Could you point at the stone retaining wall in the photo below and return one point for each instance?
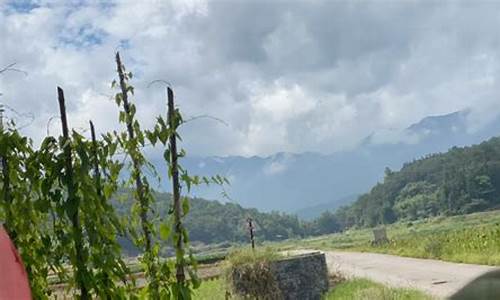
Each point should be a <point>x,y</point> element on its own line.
<point>303,277</point>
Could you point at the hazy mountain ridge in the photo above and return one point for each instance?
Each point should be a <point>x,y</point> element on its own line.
<point>291,182</point>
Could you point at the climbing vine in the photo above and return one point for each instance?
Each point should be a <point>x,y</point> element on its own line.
<point>58,204</point>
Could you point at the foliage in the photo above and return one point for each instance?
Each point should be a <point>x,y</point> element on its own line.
<point>460,181</point>
<point>56,205</point>
<point>20,187</point>
<point>132,141</point>
<point>327,222</point>
<point>50,201</point>
<point>212,222</point>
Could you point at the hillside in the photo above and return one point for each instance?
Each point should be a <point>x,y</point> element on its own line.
<point>460,181</point>
<point>211,222</point>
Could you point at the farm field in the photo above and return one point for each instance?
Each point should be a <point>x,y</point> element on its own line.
<point>473,238</point>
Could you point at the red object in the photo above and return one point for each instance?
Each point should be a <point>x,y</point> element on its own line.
<point>14,284</point>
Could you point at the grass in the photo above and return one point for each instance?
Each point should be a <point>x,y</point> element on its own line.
<point>247,256</point>
<point>356,289</point>
<point>473,238</point>
<point>211,290</point>
<point>363,289</point>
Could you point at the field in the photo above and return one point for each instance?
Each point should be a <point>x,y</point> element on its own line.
<point>473,238</point>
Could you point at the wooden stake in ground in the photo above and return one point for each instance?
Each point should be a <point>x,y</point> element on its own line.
<point>73,209</point>
<point>180,276</point>
<point>250,229</point>
<point>140,187</point>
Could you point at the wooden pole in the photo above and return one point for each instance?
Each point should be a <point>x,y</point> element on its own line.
<point>138,181</point>
<point>143,202</point>
<point>97,173</point>
<point>250,228</point>
<point>180,276</point>
<point>73,214</point>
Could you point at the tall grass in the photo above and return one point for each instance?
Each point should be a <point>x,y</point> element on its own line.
<point>363,289</point>
<point>211,290</point>
<point>473,238</point>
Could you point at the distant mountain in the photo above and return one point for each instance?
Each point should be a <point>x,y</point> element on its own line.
<point>284,181</point>
<point>312,212</point>
<point>290,182</point>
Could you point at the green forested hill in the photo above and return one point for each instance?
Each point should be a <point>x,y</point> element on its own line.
<point>212,221</point>
<point>460,181</point>
<point>215,222</point>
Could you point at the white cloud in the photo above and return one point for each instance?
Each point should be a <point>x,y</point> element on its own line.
<point>274,168</point>
<point>292,76</point>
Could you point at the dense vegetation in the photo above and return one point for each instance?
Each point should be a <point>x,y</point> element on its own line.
<point>213,222</point>
<point>460,181</point>
<point>56,204</point>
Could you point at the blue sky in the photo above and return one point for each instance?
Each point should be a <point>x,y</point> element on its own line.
<point>283,75</point>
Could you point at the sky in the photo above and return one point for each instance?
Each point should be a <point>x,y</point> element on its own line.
<point>268,76</point>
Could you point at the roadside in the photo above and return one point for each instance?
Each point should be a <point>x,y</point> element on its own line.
<point>436,278</point>
<point>363,289</point>
<point>473,239</point>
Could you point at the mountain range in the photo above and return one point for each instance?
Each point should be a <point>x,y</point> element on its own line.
<point>309,183</point>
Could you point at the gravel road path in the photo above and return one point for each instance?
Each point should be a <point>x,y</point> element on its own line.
<point>437,278</point>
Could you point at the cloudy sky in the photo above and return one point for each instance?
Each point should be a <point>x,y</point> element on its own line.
<point>283,75</point>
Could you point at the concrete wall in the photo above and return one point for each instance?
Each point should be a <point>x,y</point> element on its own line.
<point>303,277</point>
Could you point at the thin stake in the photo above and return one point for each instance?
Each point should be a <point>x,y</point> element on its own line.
<point>251,228</point>
<point>97,173</point>
<point>73,214</point>
<point>181,277</point>
<point>138,181</point>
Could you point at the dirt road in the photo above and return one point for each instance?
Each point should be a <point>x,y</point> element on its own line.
<point>436,278</point>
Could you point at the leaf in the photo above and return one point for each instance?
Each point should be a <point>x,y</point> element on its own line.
<point>121,117</point>
<point>185,206</point>
<point>164,231</point>
<point>118,99</point>
<point>166,155</point>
